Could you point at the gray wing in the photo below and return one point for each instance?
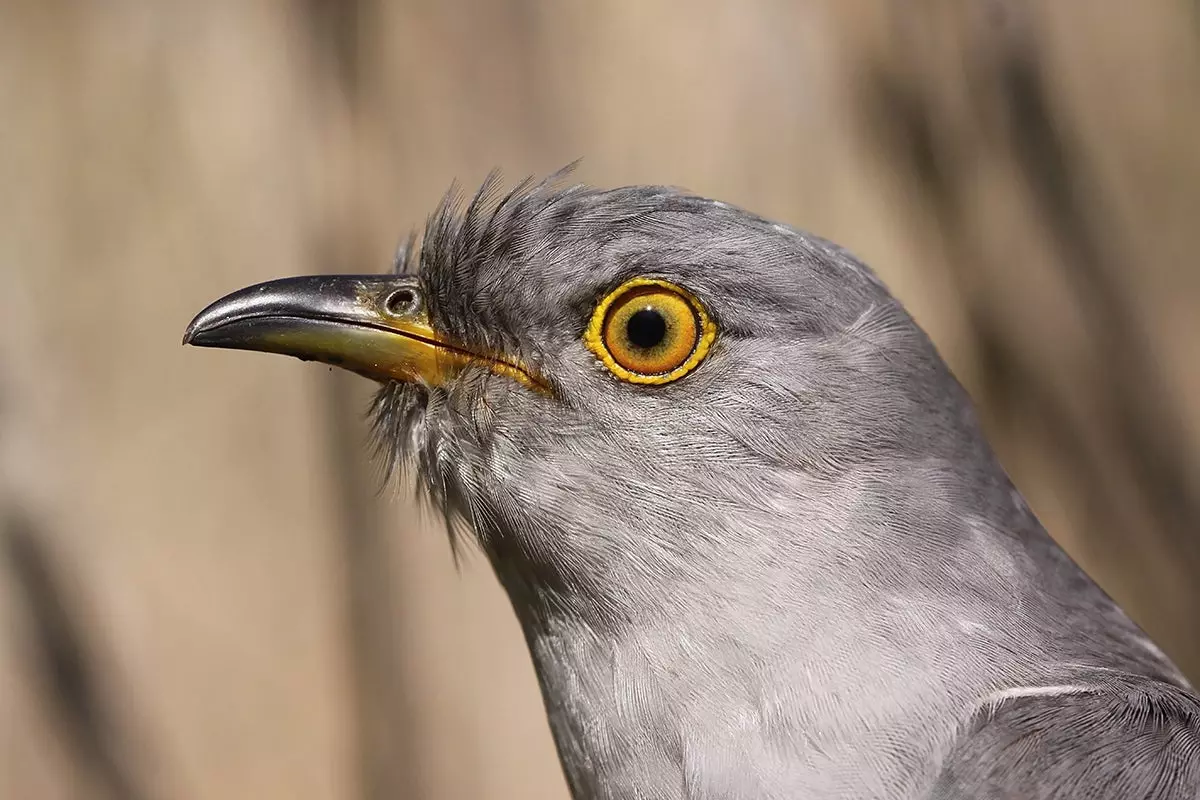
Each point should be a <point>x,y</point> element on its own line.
<point>1125,740</point>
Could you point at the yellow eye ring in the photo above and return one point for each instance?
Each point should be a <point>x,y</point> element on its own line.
<point>650,331</point>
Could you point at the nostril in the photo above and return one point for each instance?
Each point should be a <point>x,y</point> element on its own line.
<point>401,301</point>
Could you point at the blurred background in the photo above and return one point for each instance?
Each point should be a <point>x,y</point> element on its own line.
<point>203,591</point>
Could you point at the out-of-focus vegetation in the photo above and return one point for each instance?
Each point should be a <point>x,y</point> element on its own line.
<point>203,595</point>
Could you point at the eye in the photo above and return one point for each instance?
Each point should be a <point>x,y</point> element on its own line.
<point>650,331</point>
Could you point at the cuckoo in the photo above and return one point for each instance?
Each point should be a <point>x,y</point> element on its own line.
<point>746,516</point>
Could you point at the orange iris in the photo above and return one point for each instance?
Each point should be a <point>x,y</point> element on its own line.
<point>650,331</point>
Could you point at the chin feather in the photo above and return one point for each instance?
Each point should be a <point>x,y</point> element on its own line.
<point>410,452</point>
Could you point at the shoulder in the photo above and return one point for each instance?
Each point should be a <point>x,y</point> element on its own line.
<point>1118,737</point>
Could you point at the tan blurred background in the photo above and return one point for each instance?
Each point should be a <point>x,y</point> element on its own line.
<point>202,593</point>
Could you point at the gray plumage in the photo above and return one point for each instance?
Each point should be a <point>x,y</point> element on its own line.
<point>797,572</point>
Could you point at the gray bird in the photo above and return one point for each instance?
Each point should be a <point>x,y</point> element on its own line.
<point>747,519</point>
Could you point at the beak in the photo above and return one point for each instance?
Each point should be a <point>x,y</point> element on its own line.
<point>374,325</point>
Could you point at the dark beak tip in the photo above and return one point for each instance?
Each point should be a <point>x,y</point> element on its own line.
<point>192,331</point>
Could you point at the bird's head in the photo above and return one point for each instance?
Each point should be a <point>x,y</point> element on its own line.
<point>622,391</point>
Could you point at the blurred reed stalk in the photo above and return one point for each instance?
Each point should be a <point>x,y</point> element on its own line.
<point>64,667</point>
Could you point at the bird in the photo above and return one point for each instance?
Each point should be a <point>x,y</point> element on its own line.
<point>746,516</point>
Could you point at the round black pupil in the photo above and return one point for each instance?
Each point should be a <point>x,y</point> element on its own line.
<point>646,328</point>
